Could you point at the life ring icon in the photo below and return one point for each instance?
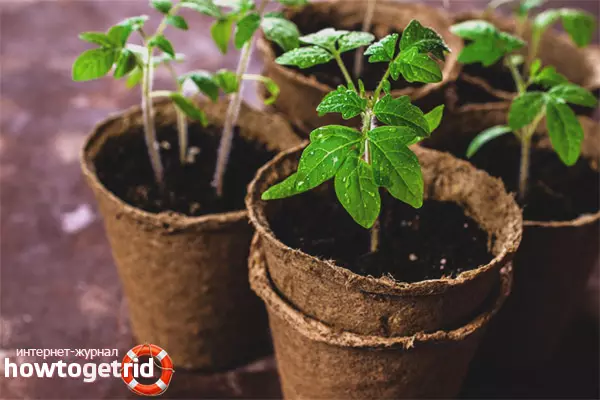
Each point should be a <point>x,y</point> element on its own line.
<point>166,365</point>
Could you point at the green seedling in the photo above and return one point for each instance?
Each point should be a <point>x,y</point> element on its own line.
<point>137,64</point>
<point>248,18</point>
<point>579,25</point>
<point>530,107</point>
<point>362,161</point>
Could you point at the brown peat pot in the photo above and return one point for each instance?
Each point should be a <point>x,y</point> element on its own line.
<point>318,361</point>
<point>561,234</point>
<point>366,305</point>
<point>184,277</point>
<point>580,66</point>
<point>303,90</point>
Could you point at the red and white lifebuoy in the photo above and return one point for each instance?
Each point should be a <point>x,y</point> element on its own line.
<point>166,365</point>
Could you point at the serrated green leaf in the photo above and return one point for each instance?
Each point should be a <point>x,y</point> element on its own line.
<point>565,131</point>
<point>178,22</point>
<point>286,188</point>
<point>204,81</point>
<point>527,5</point>
<point>573,94</point>
<point>486,136</point>
<point>580,26</point>
<point>525,108</point>
<point>384,50</point>
<point>119,34</point>
<point>273,90</point>
<point>325,38</point>
<point>163,6</point>
<point>227,81</point>
<point>245,29</point>
<point>125,63</point>
<point>489,44</point>
<point>400,112</point>
<point>206,7</point>
<point>221,33</point>
<point>134,77</point>
<point>434,117</point>
<point>98,38</point>
<point>535,67</point>
<point>426,40</point>
<point>356,190</point>
<point>305,57</point>
<point>93,64</point>
<point>189,108</point>
<point>324,155</point>
<point>416,67</point>
<point>354,40</point>
<point>344,101</point>
<point>395,166</point>
<point>548,77</point>
<point>163,43</point>
<point>281,31</point>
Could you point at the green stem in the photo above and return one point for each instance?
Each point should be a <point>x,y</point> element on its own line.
<point>344,70</point>
<point>149,125</point>
<point>379,87</point>
<point>233,112</point>
<point>368,120</point>
<point>521,86</point>
<point>182,125</point>
<point>533,47</point>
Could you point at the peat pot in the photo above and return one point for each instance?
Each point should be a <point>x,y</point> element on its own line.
<point>339,333</point>
<point>182,256</point>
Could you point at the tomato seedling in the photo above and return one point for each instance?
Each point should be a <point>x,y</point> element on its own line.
<point>362,161</point>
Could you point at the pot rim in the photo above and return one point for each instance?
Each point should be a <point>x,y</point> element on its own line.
<point>315,330</point>
<point>370,284</point>
<point>450,73</point>
<point>173,220</point>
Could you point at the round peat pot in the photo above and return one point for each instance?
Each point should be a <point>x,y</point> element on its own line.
<point>185,277</point>
<point>580,66</point>
<point>561,235</point>
<point>316,361</point>
<point>303,90</point>
<point>323,290</point>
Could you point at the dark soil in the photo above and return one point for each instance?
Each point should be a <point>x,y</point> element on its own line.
<point>329,74</point>
<point>556,192</point>
<point>415,245</point>
<point>462,93</point>
<point>497,75</point>
<point>124,168</point>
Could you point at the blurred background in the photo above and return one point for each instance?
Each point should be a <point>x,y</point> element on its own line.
<point>58,285</point>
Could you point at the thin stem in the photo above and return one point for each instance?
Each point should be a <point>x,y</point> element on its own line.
<point>160,93</point>
<point>524,168</point>
<point>533,47</point>
<point>521,86</point>
<point>369,123</point>
<point>366,26</point>
<point>233,111</point>
<point>379,87</point>
<point>340,63</point>
<point>149,127</point>
<point>182,125</point>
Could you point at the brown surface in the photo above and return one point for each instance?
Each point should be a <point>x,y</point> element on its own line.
<point>301,94</point>
<point>186,277</point>
<point>382,306</point>
<point>59,287</point>
<point>317,361</point>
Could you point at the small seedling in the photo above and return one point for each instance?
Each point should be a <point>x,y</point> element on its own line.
<point>138,62</point>
<point>529,108</point>
<point>579,25</point>
<point>248,19</point>
<point>362,161</point>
